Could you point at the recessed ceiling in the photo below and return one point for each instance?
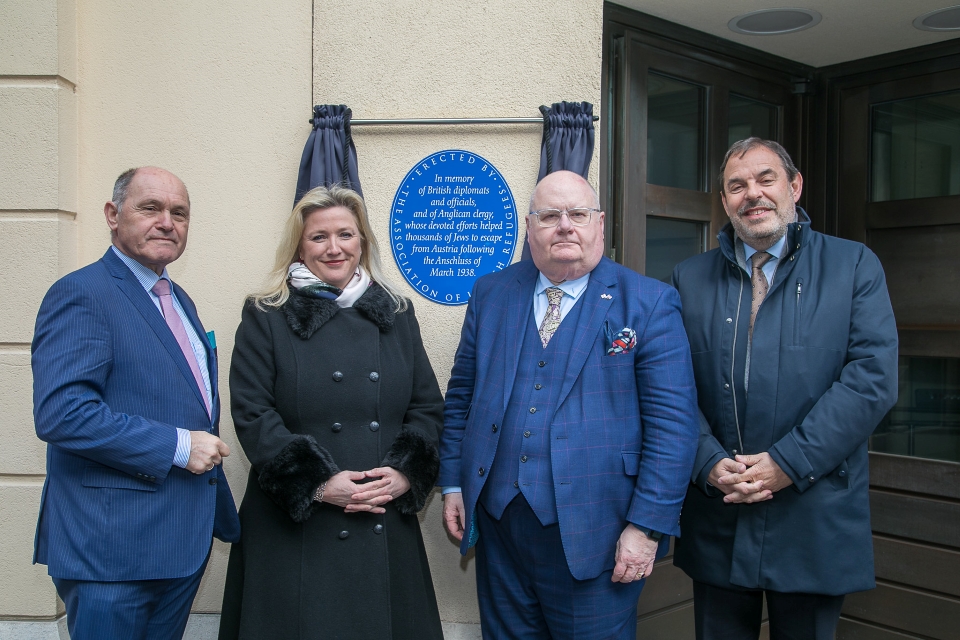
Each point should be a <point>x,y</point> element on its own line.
<point>849,30</point>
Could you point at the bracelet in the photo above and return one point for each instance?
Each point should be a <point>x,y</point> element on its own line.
<point>318,496</point>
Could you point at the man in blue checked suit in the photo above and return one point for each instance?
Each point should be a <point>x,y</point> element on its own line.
<point>570,429</point>
<point>125,395</point>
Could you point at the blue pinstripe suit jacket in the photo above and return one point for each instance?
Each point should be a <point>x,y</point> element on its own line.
<point>111,386</point>
<point>624,435</point>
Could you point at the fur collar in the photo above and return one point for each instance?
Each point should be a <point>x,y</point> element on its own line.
<point>306,315</point>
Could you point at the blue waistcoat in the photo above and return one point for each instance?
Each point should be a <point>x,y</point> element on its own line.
<point>522,462</point>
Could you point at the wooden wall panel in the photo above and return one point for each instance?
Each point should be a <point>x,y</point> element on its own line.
<point>917,565</point>
<point>906,609</point>
<point>856,630</point>
<point>915,518</point>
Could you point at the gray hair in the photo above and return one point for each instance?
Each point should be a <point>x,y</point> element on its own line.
<point>741,147</point>
<point>121,185</point>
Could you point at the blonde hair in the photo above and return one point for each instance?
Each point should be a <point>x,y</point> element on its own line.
<point>277,292</point>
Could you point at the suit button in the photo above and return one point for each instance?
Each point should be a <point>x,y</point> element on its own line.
<point>516,485</point>
<point>495,427</point>
<point>336,427</point>
<point>538,387</point>
<point>523,458</point>
<point>542,363</point>
<point>374,376</point>
<point>526,434</point>
<point>213,481</point>
<point>378,529</point>
<point>533,409</point>
<point>343,535</point>
<point>374,425</point>
<point>337,376</point>
<point>480,472</point>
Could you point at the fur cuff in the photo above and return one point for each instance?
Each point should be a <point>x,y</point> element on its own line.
<point>292,477</point>
<point>417,458</point>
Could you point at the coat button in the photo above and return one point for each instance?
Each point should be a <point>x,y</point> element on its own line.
<point>343,535</point>
<point>523,458</point>
<point>337,376</point>
<point>542,363</point>
<point>374,376</point>
<point>812,479</point>
<point>495,428</point>
<point>842,473</point>
<point>526,434</point>
<point>480,472</point>
<point>726,385</point>
<point>374,425</point>
<point>336,427</point>
<point>378,529</point>
<point>538,386</point>
<point>729,320</point>
<point>533,409</point>
<point>213,481</point>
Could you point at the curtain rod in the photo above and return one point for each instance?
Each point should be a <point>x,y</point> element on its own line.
<point>445,121</point>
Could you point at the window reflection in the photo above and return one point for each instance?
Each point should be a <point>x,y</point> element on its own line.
<point>670,242</point>
<point>674,133</point>
<point>750,118</point>
<point>926,419</point>
<point>916,148</point>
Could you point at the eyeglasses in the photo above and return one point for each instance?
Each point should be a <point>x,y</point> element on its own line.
<point>578,216</point>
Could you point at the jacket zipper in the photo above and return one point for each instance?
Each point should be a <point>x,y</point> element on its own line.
<point>733,362</point>
<point>798,316</point>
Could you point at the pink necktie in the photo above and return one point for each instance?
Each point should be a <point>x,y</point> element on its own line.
<point>162,291</point>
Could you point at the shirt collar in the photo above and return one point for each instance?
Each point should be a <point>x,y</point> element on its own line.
<point>145,276</point>
<point>572,288</point>
<point>776,250</point>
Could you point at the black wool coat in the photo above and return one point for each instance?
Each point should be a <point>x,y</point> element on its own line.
<point>316,389</point>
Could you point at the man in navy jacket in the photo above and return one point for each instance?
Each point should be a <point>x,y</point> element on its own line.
<point>125,396</point>
<point>795,357</point>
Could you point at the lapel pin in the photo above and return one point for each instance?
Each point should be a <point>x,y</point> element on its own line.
<point>606,297</point>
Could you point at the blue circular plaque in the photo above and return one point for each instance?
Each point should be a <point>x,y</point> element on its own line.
<point>453,220</point>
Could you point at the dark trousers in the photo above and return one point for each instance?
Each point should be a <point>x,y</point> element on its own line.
<point>728,614</point>
<point>130,610</point>
<point>526,590</point>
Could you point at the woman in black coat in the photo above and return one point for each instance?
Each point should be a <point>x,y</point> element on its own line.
<point>339,412</point>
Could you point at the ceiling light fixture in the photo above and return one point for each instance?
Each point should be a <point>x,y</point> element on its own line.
<point>946,19</point>
<point>773,22</point>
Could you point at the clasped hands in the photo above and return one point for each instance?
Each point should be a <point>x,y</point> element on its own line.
<point>385,484</point>
<point>748,479</point>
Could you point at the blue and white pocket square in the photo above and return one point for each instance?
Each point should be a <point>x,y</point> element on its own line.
<point>625,340</point>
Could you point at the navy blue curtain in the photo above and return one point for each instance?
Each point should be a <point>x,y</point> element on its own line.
<point>567,145</point>
<point>329,156</point>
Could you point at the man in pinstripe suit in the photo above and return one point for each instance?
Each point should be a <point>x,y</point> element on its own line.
<point>570,428</point>
<point>125,395</point>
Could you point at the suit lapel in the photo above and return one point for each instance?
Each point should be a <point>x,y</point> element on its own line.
<point>517,321</point>
<point>592,316</point>
<point>140,299</point>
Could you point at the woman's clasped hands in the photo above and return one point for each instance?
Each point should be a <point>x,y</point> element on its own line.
<point>358,491</point>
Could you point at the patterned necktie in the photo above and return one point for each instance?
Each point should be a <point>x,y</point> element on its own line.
<point>551,319</point>
<point>162,291</point>
<point>760,286</point>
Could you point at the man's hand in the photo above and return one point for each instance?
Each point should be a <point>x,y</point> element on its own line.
<point>206,451</point>
<point>762,478</point>
<point>389,485</point>
<point>635,555</point>
<point>454,517</point>
<point>748,492</point>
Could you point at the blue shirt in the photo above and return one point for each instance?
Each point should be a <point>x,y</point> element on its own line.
<point>147,279</point>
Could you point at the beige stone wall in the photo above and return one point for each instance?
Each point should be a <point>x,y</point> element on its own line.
<point>452,59</point>
<point>220,94</point>
<point>38,204</point>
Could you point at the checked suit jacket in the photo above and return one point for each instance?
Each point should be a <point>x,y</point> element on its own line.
<point>624,435</point>
<point>111,386</point>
